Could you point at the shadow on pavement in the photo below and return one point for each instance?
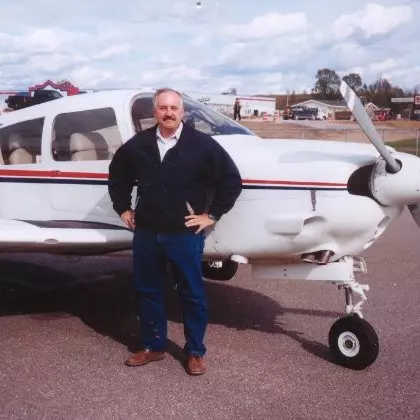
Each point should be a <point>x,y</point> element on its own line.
<point>105,303</point>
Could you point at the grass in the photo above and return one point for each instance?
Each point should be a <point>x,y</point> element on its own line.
<point>407,146</point>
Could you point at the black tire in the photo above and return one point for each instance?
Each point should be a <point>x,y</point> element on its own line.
<point>353,342</point>
<point>224,273</point>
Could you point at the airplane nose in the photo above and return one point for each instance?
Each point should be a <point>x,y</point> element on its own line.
<point>399,188</point>
<point>396,177</point>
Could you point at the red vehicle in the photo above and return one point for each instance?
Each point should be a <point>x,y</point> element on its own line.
<point>382,115</point>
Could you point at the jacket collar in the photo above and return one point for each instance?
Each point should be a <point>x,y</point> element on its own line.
<point>148,137</point>
<point>176,135</point>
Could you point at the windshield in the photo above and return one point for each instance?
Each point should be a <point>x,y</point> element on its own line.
<point>197,115</point>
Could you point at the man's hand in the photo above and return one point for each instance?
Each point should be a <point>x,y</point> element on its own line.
<point>201,220</point>
<point>128,218</point>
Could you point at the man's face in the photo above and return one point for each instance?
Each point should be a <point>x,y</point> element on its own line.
<point>168,111</point>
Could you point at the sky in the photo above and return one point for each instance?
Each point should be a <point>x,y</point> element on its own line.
<point>257,47</point>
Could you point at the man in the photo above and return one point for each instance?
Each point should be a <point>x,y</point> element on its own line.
<point>237,110</point>
<point>186,182</point>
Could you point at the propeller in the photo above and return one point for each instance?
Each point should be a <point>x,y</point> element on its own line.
<point>407,181</point>
<point>362,117</point>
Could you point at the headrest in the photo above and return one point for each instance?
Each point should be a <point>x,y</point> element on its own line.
<point>15,141</point>
<point>20,156</point>
<point>87,141</point>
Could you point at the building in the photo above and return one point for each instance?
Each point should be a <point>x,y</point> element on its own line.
<point>370,108</point>
<point>412,106</point>
<point>326,107</point>
<point>251,105</point>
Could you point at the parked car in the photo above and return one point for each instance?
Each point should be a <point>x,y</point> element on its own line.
<point>26,99</point>
<point>301,113</point>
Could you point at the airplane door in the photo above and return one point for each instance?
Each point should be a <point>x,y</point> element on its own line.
<point>83,143</point>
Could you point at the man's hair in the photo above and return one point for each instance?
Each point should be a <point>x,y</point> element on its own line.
<point>163,90</point>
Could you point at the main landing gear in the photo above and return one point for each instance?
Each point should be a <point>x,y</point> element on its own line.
<point>219,270</point>
<point>352,340</point>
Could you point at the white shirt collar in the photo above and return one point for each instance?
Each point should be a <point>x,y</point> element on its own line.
<point>174,136</point>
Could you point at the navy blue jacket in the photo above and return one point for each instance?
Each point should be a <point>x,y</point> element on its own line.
<point>196,170</point>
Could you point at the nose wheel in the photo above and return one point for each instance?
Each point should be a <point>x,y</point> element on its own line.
<point>353,342</point>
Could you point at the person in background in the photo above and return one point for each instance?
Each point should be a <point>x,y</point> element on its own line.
<point>186,183</point>
<point>237,110</point>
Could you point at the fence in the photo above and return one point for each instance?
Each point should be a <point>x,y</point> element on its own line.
<point>406,140</point>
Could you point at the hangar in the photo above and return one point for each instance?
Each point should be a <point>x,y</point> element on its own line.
<point>326,107</point>
<point>251,105</point>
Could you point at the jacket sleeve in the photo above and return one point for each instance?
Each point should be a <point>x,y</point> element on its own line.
<point>227,182</point>
<point>121,181</point>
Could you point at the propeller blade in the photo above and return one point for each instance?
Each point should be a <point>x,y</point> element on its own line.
<point>362,117</point>
<point>415,212</point>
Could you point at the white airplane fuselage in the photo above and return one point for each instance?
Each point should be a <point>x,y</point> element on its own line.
<point>295,198</point>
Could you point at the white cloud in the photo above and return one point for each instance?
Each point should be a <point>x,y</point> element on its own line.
<point>171,75</point>
<point>262,55</point>
<point>385,65</point>
<point>269,25</point>
<point>55,62</point>
<point>350,54</point>
<point>200,40</point>
<point>411,76</point>
<point>90,77</point>
<point>255,47</point>
<point>373,20</point>
<point>9,58</point>
<point>182,9</point>
<point>233,51</point>
<point>113,51</point>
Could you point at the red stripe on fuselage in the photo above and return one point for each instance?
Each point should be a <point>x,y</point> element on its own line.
<point>93,175</point>
<point>51,174</point>
<point>303,183</point>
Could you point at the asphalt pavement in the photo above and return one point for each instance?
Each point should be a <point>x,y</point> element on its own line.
<point>67,325</point>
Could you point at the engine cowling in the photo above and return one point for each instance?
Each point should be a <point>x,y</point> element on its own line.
<point>399,188</point>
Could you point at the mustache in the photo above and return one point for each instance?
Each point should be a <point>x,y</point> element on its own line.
<point>169,118</point>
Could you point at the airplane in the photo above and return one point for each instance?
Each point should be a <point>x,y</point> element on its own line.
<point>307,210</point>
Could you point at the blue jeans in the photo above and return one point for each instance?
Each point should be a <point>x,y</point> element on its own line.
<point>151,253</point>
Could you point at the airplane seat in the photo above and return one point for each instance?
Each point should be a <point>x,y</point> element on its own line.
<point>20,156</point>
<point>19,153</point>
<point>88,146</point>
<point>112,136</point>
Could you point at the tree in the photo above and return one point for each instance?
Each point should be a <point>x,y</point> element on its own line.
<point>380,92</point>
<point>327,85</point>
<point>292,97</point>
<point>354,81</point>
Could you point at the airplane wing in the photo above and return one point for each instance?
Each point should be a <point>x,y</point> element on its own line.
<point>63,237</point>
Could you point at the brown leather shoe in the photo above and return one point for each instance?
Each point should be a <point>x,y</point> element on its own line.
<point>195,365</point>
<point>145,356</point>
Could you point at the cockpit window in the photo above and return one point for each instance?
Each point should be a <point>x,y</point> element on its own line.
<point>198,115</point>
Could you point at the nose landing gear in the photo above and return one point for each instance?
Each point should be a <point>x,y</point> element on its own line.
<point>353,341</point>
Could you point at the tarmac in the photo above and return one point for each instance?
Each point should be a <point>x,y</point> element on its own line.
<point>67,325</point>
